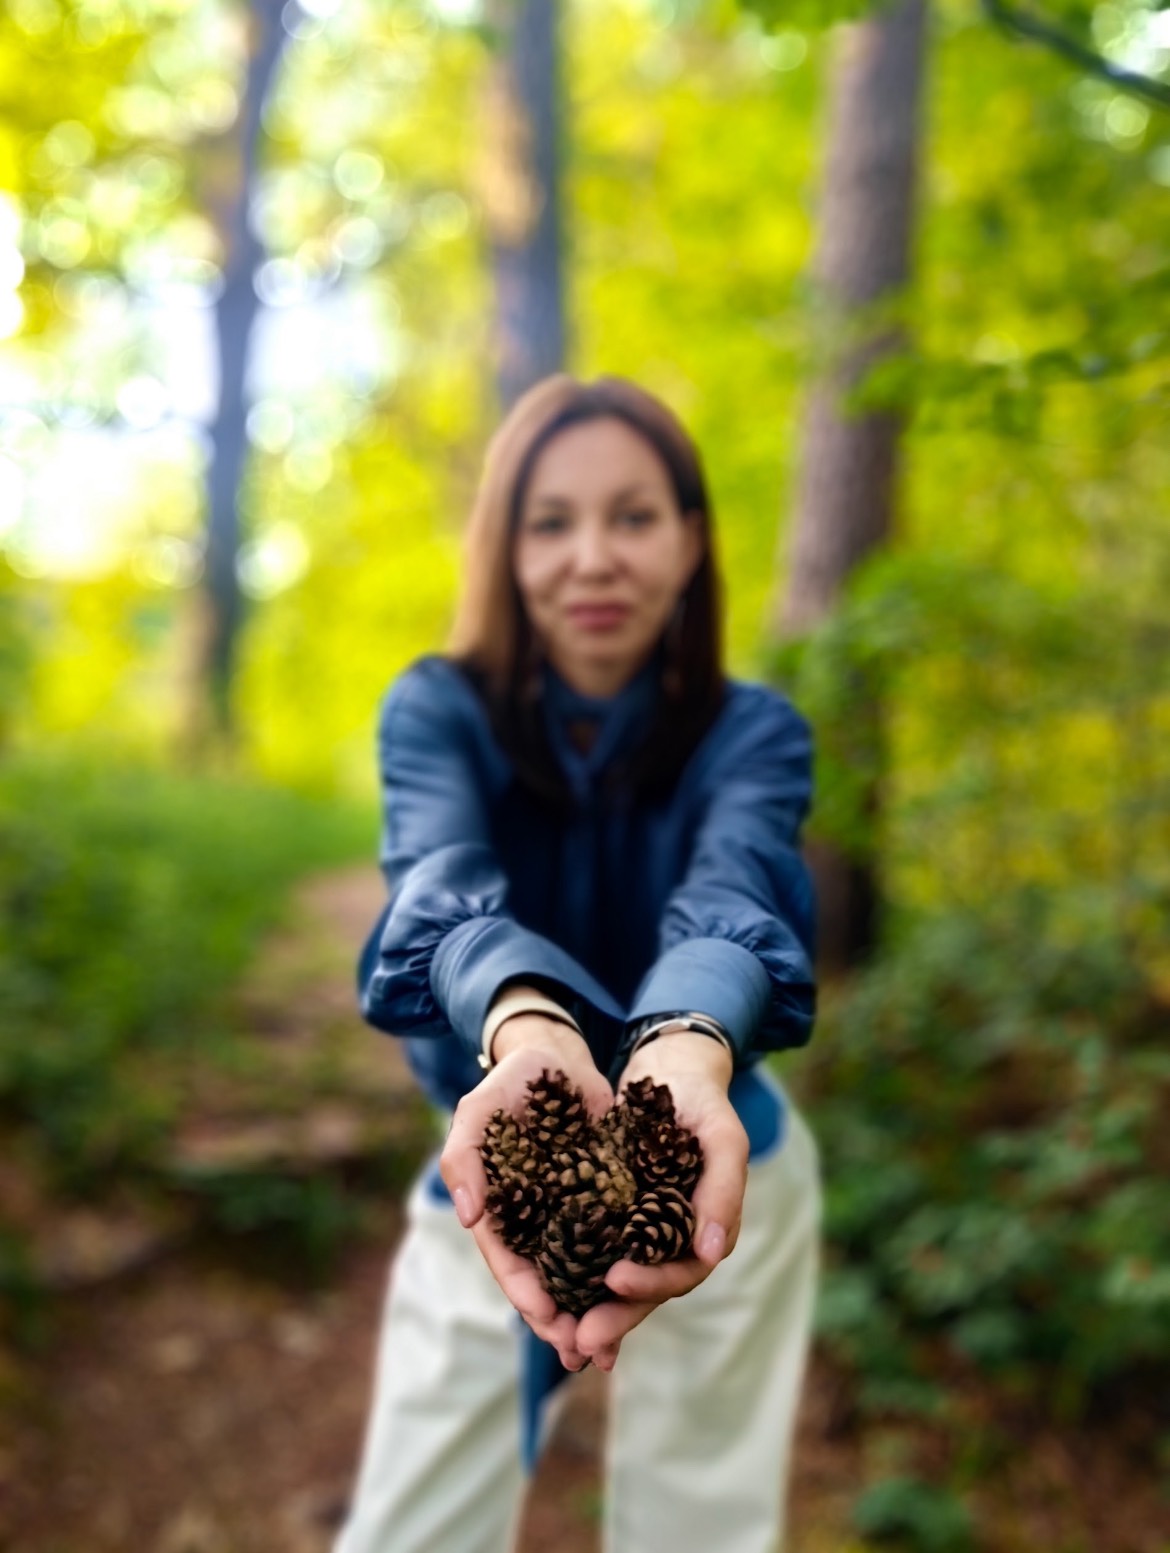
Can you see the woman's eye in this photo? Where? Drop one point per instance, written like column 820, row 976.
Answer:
column 638, row 517
column 548, row 523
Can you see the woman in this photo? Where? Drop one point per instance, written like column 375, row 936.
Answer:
column 590, row 842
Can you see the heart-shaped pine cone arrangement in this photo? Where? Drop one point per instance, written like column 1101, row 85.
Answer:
column 574, row 1195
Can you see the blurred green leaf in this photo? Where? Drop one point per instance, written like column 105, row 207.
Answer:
column 915, row 1515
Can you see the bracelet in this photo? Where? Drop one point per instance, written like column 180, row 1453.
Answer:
column 521, row 1000
column 671, row 1024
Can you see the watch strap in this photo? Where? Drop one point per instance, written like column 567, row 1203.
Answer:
column 669, row 1024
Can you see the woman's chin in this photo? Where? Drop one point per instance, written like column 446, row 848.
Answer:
column 612, row 663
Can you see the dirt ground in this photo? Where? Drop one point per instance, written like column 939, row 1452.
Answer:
column 195, row 1410
column 196, row 1405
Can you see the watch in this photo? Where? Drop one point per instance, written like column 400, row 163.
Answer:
column 672, row 1024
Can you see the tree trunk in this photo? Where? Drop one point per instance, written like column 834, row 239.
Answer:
column 847, row 486
column 235, row 315
column 520, row 196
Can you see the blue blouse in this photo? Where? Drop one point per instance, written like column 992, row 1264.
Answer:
column 620, row 908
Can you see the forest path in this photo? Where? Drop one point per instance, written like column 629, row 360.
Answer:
column 198, row 1404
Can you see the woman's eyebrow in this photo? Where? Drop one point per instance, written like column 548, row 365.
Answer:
column 551, row 499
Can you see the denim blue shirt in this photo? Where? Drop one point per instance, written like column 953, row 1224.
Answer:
column 619, row 908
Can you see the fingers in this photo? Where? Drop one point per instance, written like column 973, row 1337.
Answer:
column 599, row 1096
column 564, row 1336
column 460, row 1163
column 601, row 1330
column 604, row 1358
column 718, row 1199
column 518, row 1279
column 640, row 1291
column 631, row 1281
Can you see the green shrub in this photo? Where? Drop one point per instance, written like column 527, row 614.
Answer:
column 991, row 1098
column 129, row 901
column 290, row 1221
column 988, row 1091
column 913, row 1515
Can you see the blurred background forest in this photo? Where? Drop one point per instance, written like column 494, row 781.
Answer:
column 269, row 273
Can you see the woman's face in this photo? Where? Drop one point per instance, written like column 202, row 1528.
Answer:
column 602, row 552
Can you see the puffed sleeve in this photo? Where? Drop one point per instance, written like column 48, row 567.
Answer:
column 736, row 936
column 446, row 942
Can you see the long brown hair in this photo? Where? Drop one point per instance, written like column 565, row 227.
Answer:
column 492, row 639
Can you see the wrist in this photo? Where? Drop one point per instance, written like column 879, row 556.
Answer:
column 511, row 1002
column 683, row 1051
column 531, row 1031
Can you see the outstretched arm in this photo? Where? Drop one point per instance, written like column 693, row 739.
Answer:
column 446, row 946
column 447, row 941
column 736, row 936
column 736, row 944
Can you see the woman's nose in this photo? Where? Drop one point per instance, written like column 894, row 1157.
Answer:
column 594, row 553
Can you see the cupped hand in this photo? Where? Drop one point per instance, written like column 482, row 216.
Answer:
column 518, row 1278
column 525, row 1046
column 698, row 1071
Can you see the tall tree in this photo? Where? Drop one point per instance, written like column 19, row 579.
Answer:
column 520, row 191
column 235, row 316
column 847, row 485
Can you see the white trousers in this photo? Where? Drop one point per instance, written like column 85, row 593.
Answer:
column 703, row 1397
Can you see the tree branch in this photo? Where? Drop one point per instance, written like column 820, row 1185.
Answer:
column 1073, row 49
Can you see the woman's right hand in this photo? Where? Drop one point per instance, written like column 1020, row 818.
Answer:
column 524, row 1047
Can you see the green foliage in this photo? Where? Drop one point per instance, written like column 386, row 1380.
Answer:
column 1020, row 731
column 292, row 1220
column 15, row 652
column 810, row 13
column 989, row 1091
column 22, row 1306
column 908, row 1513
column 1033, row 378
column 129, row 900
column 990, row 1102
column 668, row 183
column 383, row 561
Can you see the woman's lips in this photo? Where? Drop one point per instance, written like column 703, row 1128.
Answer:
column 598, row 617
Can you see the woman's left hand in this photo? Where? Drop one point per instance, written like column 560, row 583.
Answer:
column 698, row 1071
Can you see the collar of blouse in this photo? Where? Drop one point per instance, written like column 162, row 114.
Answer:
column 587, row 732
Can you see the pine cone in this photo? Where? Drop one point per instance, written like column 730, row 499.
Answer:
column 520, row 1208
column 667, row 1155
column 574, row 1196
column 659, row 1227
column 614, row 1128
column 646, row 1104
column 516, row 1197
column 556, row 1117
column 596, row 1173
column 580, row 1245
column 660, row 1151
column 508, row 1149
